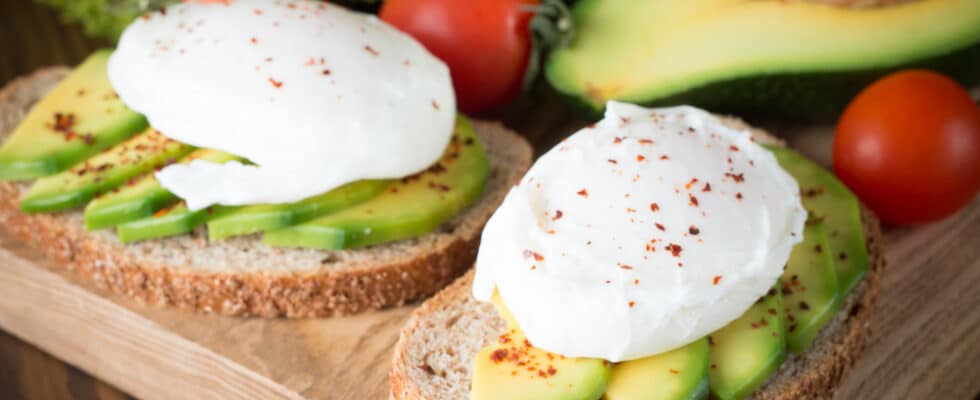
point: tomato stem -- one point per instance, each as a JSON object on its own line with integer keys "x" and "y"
{"x": 551, "y": 28}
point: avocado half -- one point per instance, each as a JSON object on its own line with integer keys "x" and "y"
{"x": 794, "y": 58}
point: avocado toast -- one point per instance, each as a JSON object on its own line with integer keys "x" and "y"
{"x": 800, "y": 349}
{"x": 240, "y": 276}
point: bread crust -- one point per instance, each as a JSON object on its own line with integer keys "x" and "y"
{"x": 815, "y": 374}
{"x": 319, "y": 293}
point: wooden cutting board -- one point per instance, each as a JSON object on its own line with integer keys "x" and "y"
{"x": 926, "y": 342}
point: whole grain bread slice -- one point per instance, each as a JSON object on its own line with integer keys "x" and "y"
{"x": 434, "y": 355}
{"x": 243, "y": 277}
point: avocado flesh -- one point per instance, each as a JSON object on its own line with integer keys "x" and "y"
{"x": 142, "y": 197}
{"x": 747, "y": 351}
{"x": 811, "y": 296}
{"x": 511, "y": 368}
{"x": 715, "y": 54}
{"x": 93, "y": 119}
{"x": 830, "y": 202}
{"x": 264, "y": 217}
{"x": 679, "y": 374}
{"x": 103, "y": 172}
{"x": 411, "y": 207}
{"x": 172, "y": 221}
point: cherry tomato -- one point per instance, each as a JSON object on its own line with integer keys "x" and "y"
{"x": 486, "y": 43}
{"x": 909, "y": 147}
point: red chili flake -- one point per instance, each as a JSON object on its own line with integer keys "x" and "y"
{"x": 674, "y": 249}
{"x": 733, "y": 148}
{"x": 551, "y": 231}
{"x": 690, "y": 183}
{"x": 664, "y": 157}
{"x": 804, "y": 306}
{"x": 257, "y": 11}
{"x": 371, "y": 50}
{"x": 617, "y": 140}
{"x": 254, "y": 40}
{"x": 630, "y": 210}
{"x": 624, "y": 266}
{"x": 645, "y": 141}
{"x": 716, "y": 279}
{"x": 583, "y": 193}
{"x": 632, "y": 303}
{"x": 738, "y": 178}
{"x": 842, "y": 255}
{"x": 729, "y": 160}
{"x": 529, "y": 254}
{"x": 654, "y": 207}
{"x": 275, "y": 83}
{"x": 611, "y": 161}
{"x": 551, "y": 370}
{"x": 818, "y": 248}
{"x": 558, "y": 215}
{"x": 534, "y": 267}
{"x": 435, "y": 104}
{"x": 640, "y": 158}
{"x": 792, "y": 327}
{"x": 738, "y": 195}
{"x": 693, "y": 230}
{"x": 692, "y": 201}
{"x": 636, "y": 281}
{"x": 498, "y": 355}
{"x": 707, "y": 187}
{"x": 439, "y": 186}
{"x": 813, "y": 192}
{"x": 660, "y": 226}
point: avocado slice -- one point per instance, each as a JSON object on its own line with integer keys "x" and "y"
{"x": 810, "y": 292}
{"x": 171, "y": 221}
{"x": 830, "y": 202}
{"x": 807, "y": 59}
{"x": 747, "y": 351}
{"x": 414, "y": 206}
{"x": 140, "y": 198}
{"x": 106, "y": 171}
{"x": 512, "y": 368}
{"x": 679, "y": 374}
{"x": 264, "y": 217}
{"x": 79, "y": 118}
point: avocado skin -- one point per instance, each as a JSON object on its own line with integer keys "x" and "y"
{"x": 816, "y": 96}
{"x": 809, "y": 96}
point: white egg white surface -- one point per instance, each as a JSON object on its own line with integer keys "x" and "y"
{"x": 641, "y": 234}
{"x": 314, "y": 95}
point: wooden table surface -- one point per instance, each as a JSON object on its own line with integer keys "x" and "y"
{"x": 31, "y": 36}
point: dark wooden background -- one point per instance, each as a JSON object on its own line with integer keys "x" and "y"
{"x": 31, "y": 36}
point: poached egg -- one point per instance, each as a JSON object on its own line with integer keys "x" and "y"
{"x": 640, "y": 234}
{"x": 314, "y": 95}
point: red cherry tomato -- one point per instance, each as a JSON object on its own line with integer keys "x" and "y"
{"x": 909, "y": 147}
{"x": 486, "y": 43}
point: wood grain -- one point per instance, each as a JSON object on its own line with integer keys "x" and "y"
{"x": 927, "y": 327}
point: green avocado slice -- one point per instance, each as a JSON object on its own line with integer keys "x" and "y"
{"x": 679, "y": 374}
{"x": 810, "y": 292}
{"x": 830, "y": 202}
{"x": 747, "y": 351}
{"x": 807, "y": 59}
{"x": 414, "y": 206}
{"x": 512, "y": 368}
{"x": 102, "y": 173}
{"x": 264, "y": 217}
{"x": 79, "y": 118}
{"x": 140, "y": 198}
